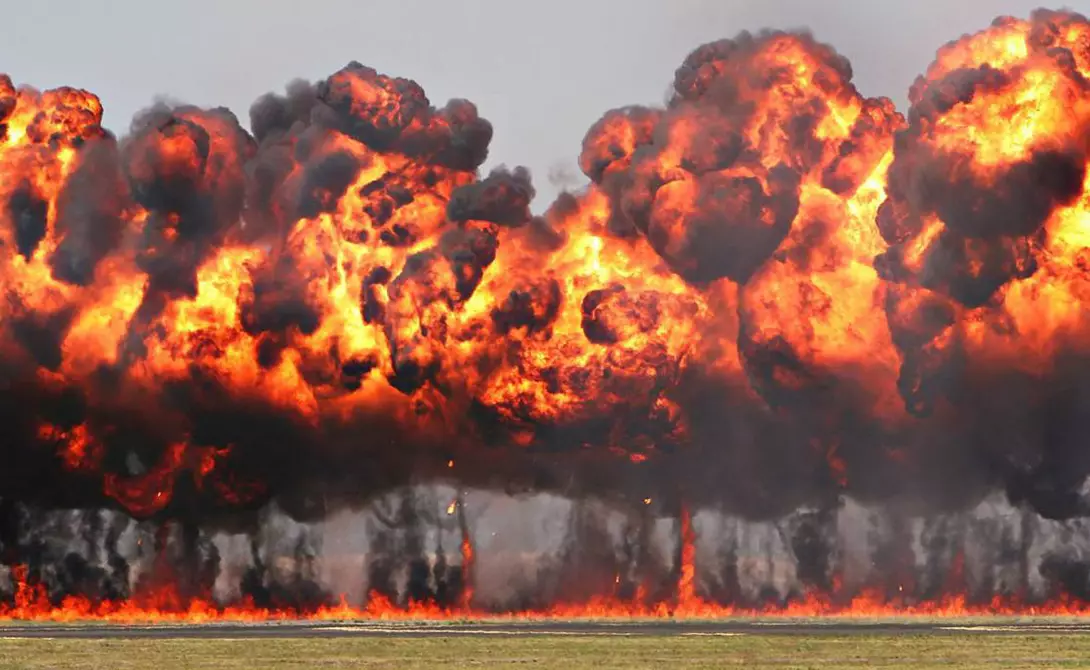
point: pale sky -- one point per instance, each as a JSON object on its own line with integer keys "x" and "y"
{"x": 541, "y": 72}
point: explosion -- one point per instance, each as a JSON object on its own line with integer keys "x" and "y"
{"x": 781, "y": 314}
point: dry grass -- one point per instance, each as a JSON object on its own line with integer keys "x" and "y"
{"x": 961, "y": 651}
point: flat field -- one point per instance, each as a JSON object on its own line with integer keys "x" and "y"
{"x": 499, "y": 648}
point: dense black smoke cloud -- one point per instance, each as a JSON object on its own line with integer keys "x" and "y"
{"x": 759, "y": 447}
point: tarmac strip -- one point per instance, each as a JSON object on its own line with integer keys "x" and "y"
{"x": 16, "y": 630}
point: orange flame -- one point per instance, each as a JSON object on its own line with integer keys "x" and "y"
{"x": 189, "y": 308}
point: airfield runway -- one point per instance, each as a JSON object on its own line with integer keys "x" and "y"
{"x": 306, "y": 629}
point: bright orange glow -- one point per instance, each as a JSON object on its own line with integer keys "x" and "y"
{"x": 775, "y": 294}
{"x": 1009, "y": 277}
{"x": 164, "y": 606}
{"x": 686, "y": 584}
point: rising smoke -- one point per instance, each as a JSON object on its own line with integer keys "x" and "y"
{"x": 836, "y": 346}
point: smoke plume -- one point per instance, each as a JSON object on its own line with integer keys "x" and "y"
{"x": 790, "y": 343}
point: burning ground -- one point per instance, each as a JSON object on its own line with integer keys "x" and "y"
{"x": 791, "y": 347}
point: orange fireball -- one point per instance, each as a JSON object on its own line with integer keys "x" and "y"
{"x": 775, "y": 294}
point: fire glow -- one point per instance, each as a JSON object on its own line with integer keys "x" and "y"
{"x": 774, "y": 294}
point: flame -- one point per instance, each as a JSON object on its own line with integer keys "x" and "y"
{"x": 468, "y": 562}
{"x": 774, "y": 291}
{"x": 686, "y": 584}
{"x": 1007, "y": 270}
{"x": 166, "y": 606}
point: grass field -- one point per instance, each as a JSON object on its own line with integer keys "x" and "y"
{"x": 961, "y": 651}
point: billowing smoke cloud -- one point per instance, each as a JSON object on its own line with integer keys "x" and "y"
{"x": 777, "y": 294}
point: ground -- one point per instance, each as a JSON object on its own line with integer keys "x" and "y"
{"x": 745, "y": 644}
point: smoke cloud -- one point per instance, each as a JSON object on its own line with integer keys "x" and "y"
{"x": 783, "y": 321}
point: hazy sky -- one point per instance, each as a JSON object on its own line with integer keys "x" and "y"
{"x": 540, "y": 71}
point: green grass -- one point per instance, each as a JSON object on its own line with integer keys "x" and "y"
{"x": 974, "y": 650}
